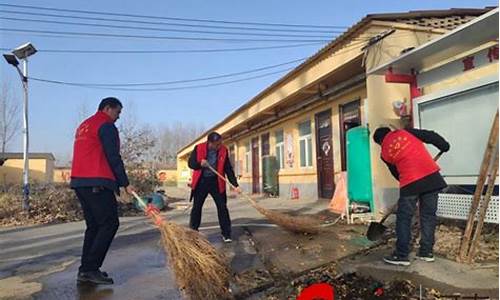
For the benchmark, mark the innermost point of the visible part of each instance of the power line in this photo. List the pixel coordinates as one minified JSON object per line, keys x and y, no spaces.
{"x":161,"y":89}
{"x":159,"y":29}
{"x":170,"y":24}
{"x":115,"y":88}
{"x":166,"y":18}
{"x":77,"y":51}
{"x":188,"y":80}
{"x":109,"y":35}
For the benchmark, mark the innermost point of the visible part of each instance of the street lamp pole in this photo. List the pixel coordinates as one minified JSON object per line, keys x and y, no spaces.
{"x":23,"y":52}
{"x":26,"y":187}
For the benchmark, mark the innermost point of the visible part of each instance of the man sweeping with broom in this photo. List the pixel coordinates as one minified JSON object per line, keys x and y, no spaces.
{"x":420,"y":181}
{"x":97,"y":172}
{"x":205,"y":181}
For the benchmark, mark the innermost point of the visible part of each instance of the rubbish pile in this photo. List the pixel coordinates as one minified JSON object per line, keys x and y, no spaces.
{"x":350,"y":286}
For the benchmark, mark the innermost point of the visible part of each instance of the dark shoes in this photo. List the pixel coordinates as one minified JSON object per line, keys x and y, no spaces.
{"x":394,"y":259}
{"x":426,"y":257}
{"x":95,"y":277}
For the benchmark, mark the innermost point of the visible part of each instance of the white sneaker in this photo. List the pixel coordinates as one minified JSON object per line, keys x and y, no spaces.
{"x":226,"y":240}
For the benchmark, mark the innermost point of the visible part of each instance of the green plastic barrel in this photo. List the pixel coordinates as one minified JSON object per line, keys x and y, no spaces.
{"x":155,"y":198}
{"x":359,"y":174}
{"x":270,"y":171}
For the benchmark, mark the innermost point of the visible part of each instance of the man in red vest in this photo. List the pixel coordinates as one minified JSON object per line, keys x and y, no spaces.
{"x":419,"y":179}
{"x":97,"y":173}
{"x":204,"y":181}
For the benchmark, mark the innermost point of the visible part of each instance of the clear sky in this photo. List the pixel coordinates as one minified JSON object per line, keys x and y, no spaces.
{"x":54,"y":109}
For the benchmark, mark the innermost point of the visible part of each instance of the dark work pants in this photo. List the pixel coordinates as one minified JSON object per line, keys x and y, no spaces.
{"x":406,"y":208}
{"x":101,"y":216}
{"x":208,"y":185}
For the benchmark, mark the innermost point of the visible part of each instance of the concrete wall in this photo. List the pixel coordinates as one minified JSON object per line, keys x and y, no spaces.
{"x":379,"y":106}
{"x":41,"y":170}
{"x":183,"y":172}
{"x":462,"y":78}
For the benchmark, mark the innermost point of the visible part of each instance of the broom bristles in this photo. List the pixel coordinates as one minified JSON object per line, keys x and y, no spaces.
{"x":287,"y":222}
{"x":200,"y":271}
{"x":295,"y":224}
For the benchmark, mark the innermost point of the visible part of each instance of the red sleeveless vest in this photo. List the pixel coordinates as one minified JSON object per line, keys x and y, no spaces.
{"x":89,"y":160}
{"x":201,"y":153}
{"x":409,"y":155}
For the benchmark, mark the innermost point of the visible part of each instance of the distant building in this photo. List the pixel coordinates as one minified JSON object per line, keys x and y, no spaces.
{"x":41,"y":166}
{"x":62,"y":174}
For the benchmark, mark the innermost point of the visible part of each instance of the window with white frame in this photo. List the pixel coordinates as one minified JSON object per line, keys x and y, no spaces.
{"x":305,"y":144}
{"x":248,"y":157}
{"x":280,"y":148}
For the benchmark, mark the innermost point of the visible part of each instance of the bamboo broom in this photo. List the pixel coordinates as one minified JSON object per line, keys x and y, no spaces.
{"x":200,"y":271}
{"x":293,"y":224}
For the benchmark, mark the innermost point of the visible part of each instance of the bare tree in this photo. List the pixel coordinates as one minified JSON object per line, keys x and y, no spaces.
{"x":10,"y":121}
{"x":137,"y":145}
{"x":172,"y":138}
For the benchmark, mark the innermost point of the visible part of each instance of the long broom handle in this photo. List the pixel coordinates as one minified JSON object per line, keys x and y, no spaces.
{"x":143,"y":204}
{"x":227,"y":181}
{"x":152,"y":214}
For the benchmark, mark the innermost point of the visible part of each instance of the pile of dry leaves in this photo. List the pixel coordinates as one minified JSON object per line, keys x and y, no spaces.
{"x":350,"y":286}
{"x":448,"y":239}
{"x":49,"y":203}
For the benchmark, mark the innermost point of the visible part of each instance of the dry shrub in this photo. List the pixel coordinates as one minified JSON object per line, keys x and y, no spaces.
{"x":49,"y":203}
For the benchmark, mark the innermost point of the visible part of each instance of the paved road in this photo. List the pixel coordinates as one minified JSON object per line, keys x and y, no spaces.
{"x":40,"y":262}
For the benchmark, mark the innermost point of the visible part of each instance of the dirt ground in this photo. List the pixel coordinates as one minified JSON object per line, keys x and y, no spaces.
{"x":349,"y":286}
{"x":355,"y":286}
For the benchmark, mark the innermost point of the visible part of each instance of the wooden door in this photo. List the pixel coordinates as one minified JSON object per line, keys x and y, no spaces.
{"x":265,"y":145}
{"x":255,"y":166}
{"x":324,"y":154}
{"x":350,"y":117}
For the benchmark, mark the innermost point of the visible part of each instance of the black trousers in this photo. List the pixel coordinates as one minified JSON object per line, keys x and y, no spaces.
{"x":101,"y":216}
{"x":208,"y":185}
{"x":428,"y":204}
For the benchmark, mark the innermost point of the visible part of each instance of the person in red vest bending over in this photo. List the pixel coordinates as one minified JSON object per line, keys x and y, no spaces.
{"x":97,"y":172}
{"x":205,"y":181}
{"x":419,"y":179}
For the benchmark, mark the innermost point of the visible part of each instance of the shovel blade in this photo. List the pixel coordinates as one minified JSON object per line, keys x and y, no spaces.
{"x":375,"y":231}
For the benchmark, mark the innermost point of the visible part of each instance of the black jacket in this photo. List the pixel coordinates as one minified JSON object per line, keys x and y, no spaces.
{"x":108,"y":134}
{"x":432,"y":182}
{"x":228,"y":168}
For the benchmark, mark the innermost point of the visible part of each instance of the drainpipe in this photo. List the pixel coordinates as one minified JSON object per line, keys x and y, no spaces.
{"x":410,"y":79}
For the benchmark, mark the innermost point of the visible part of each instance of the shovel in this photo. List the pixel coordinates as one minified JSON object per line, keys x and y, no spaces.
{"x":377,"y":229}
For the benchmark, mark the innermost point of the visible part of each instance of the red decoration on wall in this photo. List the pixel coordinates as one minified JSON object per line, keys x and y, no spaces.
{"x":468,"y":63}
